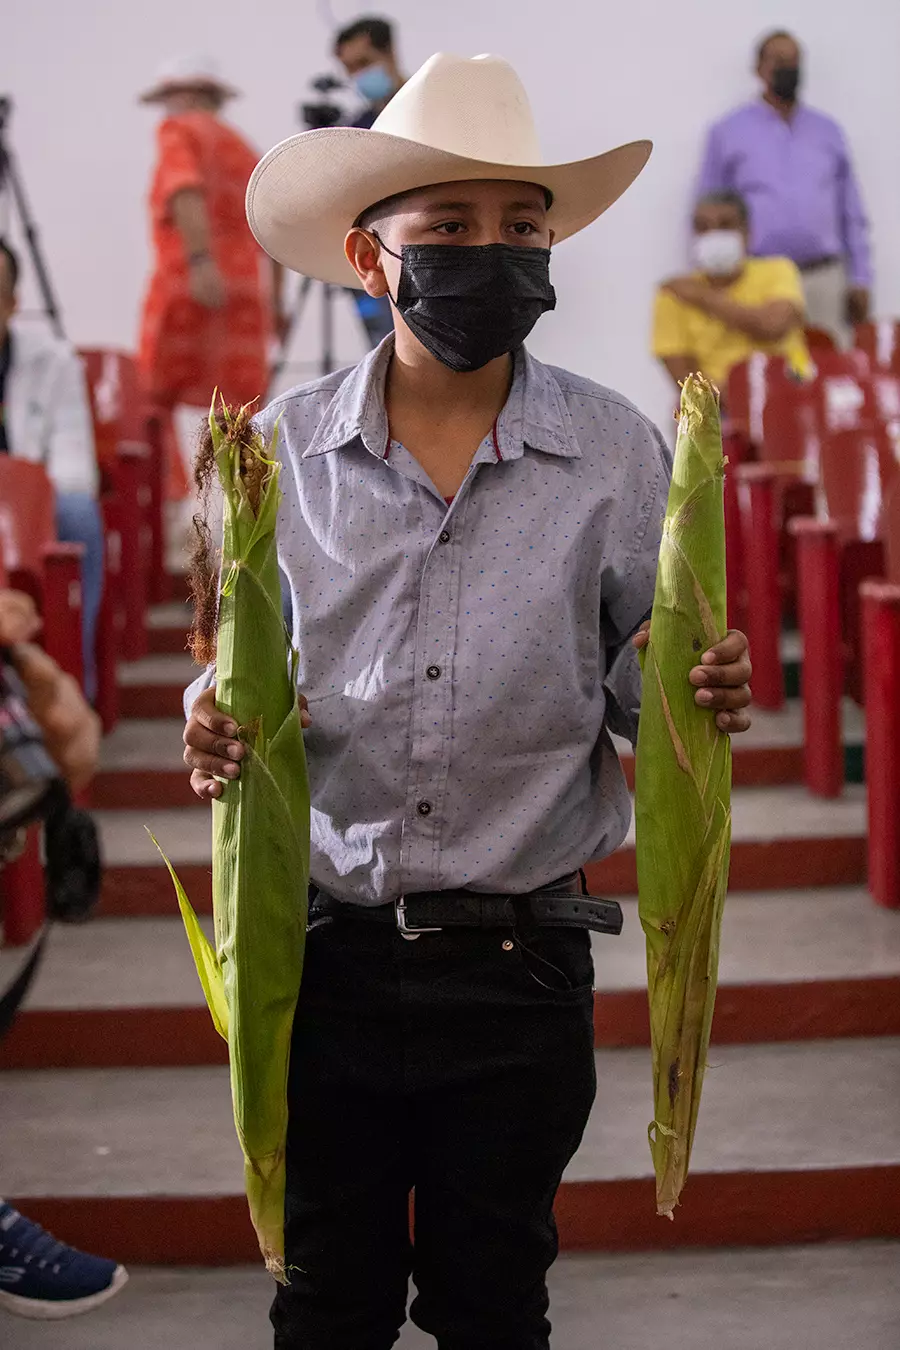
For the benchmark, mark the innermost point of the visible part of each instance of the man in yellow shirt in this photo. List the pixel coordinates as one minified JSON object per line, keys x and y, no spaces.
{"x":731,"y":305}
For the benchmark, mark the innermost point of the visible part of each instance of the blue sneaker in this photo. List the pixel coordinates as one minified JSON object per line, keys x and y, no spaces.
{"x":43,"y":1278}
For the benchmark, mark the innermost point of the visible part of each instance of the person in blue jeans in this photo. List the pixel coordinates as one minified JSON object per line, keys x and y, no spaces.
{"x":45,"y":416}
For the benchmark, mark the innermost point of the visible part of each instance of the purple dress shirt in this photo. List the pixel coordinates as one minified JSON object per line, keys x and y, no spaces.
{"x":798,"y":183}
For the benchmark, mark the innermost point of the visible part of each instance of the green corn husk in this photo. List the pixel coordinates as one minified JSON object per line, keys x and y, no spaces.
{"x":260,"y":829}
{"x":683,"y":790}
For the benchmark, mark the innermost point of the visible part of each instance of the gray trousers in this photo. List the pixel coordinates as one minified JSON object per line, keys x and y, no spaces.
{"x":825,"y":293}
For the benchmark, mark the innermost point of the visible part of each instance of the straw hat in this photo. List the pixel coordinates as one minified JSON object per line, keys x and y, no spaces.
{"x":187,"y":72}
{"x":455,"y":119}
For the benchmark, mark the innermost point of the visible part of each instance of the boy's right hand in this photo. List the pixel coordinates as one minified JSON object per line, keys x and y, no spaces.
{"x":211,"y":747}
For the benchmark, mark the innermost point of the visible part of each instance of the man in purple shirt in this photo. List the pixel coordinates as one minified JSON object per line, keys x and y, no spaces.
{"x":792,"y":167}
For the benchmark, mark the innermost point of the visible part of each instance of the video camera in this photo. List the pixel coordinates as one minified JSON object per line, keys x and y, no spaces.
{"x":322,"y":112}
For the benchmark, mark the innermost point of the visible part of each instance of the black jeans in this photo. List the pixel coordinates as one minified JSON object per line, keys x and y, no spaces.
{"x":459,"y":1065}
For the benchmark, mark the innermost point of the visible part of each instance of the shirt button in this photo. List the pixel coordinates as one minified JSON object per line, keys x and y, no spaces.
{"x":433,"y":672}
{"x":424,"y":808}
{"x":444,"y":536}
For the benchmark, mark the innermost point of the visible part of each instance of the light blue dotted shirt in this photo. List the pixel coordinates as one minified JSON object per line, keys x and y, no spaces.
{"x":464,"y":664}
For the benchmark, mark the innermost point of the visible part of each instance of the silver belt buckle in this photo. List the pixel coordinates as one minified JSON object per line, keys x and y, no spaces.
{"x":403,"y":927}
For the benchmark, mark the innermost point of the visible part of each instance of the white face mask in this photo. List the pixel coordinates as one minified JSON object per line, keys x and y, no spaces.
{"x":718,"y":252}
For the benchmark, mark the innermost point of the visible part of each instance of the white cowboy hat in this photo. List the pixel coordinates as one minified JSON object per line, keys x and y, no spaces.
{"x":455,"y":119}
{"x":187,"y":72}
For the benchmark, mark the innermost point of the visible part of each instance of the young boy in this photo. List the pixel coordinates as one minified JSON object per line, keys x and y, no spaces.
{"x":471,"y":539}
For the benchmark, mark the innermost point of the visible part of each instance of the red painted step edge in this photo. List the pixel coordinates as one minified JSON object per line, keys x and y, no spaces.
{"x":718,"y":1209}
{"x":159,"y":789}
{"x":143,"y":790}
{"x":112,"y":1038}
{"x":756,"y":865}
{"x":167,"y":641}
{"x":781,"y":864}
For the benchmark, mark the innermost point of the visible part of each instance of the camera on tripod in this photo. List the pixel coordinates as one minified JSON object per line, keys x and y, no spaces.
{"x":322,"y":112}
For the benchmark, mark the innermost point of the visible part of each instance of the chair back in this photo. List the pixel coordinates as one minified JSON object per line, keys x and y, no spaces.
{"x":27,"y":514}
{"x":881,"y":343}
{"x":117,"y":402}
{"x":858,"y":474}
{"x":819,"y":339}
{"x":751,"y":385}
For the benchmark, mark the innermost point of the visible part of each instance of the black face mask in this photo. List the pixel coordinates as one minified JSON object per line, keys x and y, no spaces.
{"x":468,"y":304}
{"x":785,"y":82}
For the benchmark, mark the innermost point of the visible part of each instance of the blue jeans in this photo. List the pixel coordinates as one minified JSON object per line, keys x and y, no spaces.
{"x":78,"y":521}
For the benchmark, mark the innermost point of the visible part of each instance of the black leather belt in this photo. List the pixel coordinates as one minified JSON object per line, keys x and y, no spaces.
{"x":816,"y":264}
{"x":432,"y":911}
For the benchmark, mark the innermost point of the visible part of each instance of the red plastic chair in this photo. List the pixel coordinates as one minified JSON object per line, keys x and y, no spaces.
{"x":789,"y":420}
{"x":131,"y":500}
{"x":33,"y":561}
{"x":819,"y":339}
{"x":843,"y":545}
{"x":891,"y":531}
{"x":37,"y":563}
{"x":880,"y":341}
{"x":880,"y":602}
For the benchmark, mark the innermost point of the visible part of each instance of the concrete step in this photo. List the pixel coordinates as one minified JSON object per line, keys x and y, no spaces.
{"x":794,"y":1142}
{"x":782,"y":838}
{"x":828,"y":1297}
{"x":141,"y":763}
{"x":167,"y":627}
{"x":795,"y":965}
{"x":153,"y":686}
{"x":142,"y":768}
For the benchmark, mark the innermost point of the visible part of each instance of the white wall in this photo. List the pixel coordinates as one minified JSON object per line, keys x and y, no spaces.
{"x":597,"y":73}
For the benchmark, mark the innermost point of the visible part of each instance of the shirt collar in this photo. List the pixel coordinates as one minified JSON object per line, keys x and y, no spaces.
{"x":534,"y":414}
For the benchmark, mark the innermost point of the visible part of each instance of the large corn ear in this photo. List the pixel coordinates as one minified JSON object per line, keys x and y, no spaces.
{"x":260,"y":829}
{"x":683,"y":790}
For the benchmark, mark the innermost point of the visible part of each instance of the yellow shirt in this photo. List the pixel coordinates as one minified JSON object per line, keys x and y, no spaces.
{"x":680,"y":329}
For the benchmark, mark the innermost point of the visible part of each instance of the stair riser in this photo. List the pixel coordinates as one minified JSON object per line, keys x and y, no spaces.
{"x":782,"y":864}
{"x":143,"y":790}
{"x":726,"y":1209}
{"x":126,"y":790}
{"x":113,"y":1038}
{"x":166,"y":641}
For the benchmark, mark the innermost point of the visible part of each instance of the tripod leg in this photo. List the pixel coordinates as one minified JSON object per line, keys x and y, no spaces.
{"x":9,"y":175}
{"x":293,"y":325}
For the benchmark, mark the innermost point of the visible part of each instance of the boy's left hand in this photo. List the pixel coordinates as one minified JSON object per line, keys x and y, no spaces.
{"x":722,"y":678}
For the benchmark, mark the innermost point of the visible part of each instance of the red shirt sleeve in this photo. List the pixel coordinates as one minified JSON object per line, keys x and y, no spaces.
{"x":178,"y":165}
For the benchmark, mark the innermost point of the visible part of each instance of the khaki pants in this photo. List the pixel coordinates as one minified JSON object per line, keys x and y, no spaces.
{"x":825,"y":293}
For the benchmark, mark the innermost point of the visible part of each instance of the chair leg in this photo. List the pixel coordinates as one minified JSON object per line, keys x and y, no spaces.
{"x":61,"y":608}
{"x":129,"y":485}
{"x":159,"y":582}
{"x":761,"y":552}
{"x":881,"y":642}
{"x":22,"y":887}
{"x":109,"y":627}
{"x":822,"y":680}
